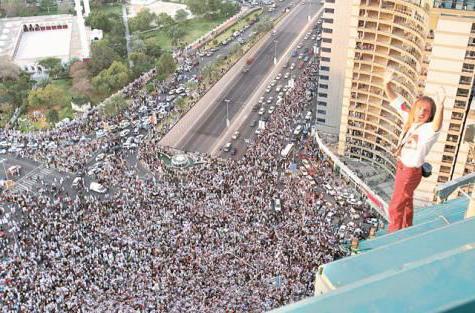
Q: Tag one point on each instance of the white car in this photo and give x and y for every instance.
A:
(292, 66)
(261, 100)
(100, 157)
(227, 147)
(124, 124)
(298, 130)
(258, 130)
(277, 205)
(262, 111)
(124, 133)
(268, 89)
(309, 115)
(96, 187)
(278, 88)
(271, 109)
(270, 99)
(273, 82)
(279, 76)
(236, 135)
(286, 75)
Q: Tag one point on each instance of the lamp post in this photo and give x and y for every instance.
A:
(275, 51)
(227, 111)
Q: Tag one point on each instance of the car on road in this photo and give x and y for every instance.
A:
(124, 124)
(277, 205)
(227, 147)
(76, 182)
(96, 187)
(124, 133)
(253, 123)
(278, 88)
(261, 111)
(273, 82)
(3, 151)
(286, 75)
(299, 46)
(306, 58)
(298, 130)
(261, 100)
(100, 157)
(233, 151)
(279, 76)
(258, 130)
(255, 108)
(294, 53)
(308, 116)
(235, 135)
(292, 66)
(268, 89)
(270, 100)
(271, 109)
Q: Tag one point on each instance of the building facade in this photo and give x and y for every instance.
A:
(430, 44)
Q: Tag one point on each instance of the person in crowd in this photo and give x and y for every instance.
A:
(422, 123)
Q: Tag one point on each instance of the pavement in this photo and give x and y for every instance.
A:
(204, 131)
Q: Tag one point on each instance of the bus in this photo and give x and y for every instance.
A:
(285, 152)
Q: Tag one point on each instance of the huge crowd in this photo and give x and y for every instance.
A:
(206, 238)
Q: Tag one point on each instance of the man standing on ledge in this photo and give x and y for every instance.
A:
(422, 123)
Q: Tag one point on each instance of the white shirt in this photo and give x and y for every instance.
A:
(419, 138)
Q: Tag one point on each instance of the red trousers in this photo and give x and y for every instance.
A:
(401, 207)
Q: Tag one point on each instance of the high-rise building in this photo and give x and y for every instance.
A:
(430, 44)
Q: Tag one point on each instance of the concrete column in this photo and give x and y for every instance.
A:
(87, 8)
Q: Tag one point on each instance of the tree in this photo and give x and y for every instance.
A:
(142, 21)
(181, 15)
(102, 56)
(81, 81)
(113, 78)
(50, 95)
(175, 32)
(228, 9)
(65, 7)
(99, 20)
(165, 66)
(137, 44)
(264, 26)
(17, 8)
(152, 48)
(164, 20)
(236, 48)
(8, 69)
(114, 105)
(15, 92)
(53, 65)
(52, 116)
(141, 61)
(48, 6)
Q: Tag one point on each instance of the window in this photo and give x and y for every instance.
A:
(323, 86)
(322, 112)
(442, 179)
(325, 49)
(323, 95)
(329, 10)
(329, 1)
(328, 20)
(325, 59)
(327, 40)
(327, 30)
(321, 103)
(323, 77)
(324, 68)
(321, 120)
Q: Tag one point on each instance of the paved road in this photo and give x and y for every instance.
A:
(207, 131)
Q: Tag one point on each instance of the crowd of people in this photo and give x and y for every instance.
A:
(205, 238)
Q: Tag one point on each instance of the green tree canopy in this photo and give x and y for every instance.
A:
(142, 21)
(114, 105)
(141, 61)
(50, 95)
(181, 15)
(165, 65)
(53, 65)
(15, 92)
(99, 20)
(152, 48)
(111, 79)
(8, 69)
(102, 56)
(165, 20)
(52, 116)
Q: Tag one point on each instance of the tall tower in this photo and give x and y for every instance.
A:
(431, 44)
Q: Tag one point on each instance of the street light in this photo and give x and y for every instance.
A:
(227, 111)
(275, 51)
